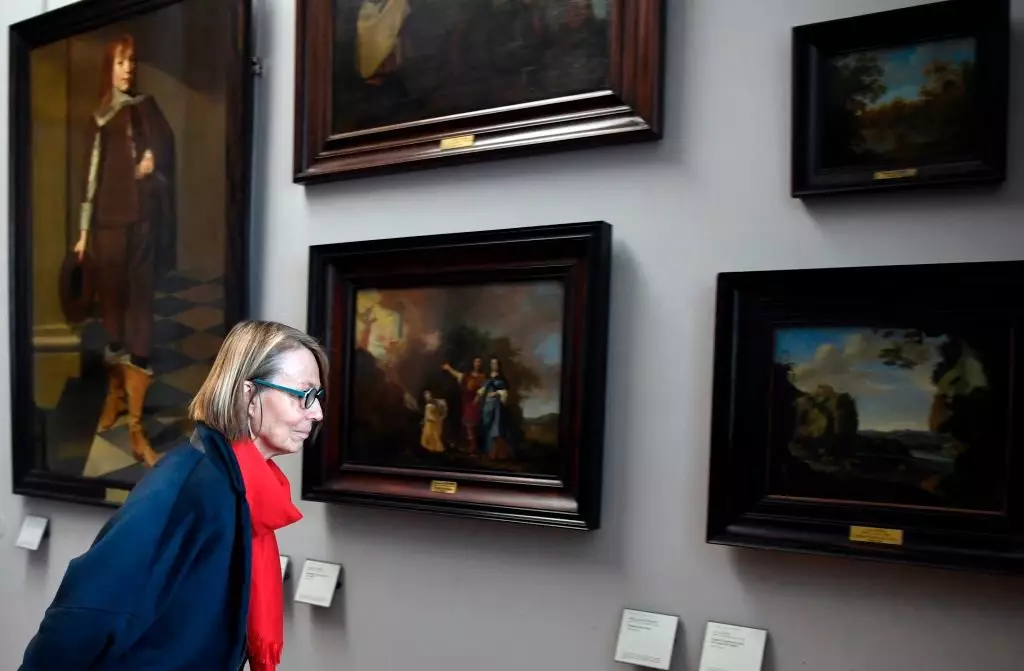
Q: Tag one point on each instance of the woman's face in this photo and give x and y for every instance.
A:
(280, 421)
(124, 69)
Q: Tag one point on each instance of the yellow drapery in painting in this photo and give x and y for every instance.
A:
(377, 33)
(433, 417)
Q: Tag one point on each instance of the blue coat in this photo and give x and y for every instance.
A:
(165, 585)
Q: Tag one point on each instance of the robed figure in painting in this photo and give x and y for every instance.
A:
(434, 413)
(127, 223)
(469, 385)
(494, 419)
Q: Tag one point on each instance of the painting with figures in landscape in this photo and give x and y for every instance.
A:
(895, 416)
(902, 106)
(459, 377)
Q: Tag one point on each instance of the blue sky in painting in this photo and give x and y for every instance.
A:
(550, 349)
(904, 67)
(888, 398)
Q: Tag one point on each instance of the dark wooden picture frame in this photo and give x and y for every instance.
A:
(575, 257)
(627, 108)
(871, 413)
(927, 104)
(194, 121)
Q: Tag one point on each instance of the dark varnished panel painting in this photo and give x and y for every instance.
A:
(399, 61)
(904, 417)
(459, 377)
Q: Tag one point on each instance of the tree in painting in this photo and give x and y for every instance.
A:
(903, 106)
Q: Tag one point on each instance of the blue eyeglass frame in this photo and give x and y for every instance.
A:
(307, 396)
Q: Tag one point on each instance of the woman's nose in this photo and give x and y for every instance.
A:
(316, 412)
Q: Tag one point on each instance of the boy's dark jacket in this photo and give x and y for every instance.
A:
(165, 585)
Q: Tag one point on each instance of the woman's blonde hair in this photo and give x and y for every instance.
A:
(251, 350)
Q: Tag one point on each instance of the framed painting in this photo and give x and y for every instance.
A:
(909, 97)
(129, 158)
(387, 85)
(467, 373)
(872, 413)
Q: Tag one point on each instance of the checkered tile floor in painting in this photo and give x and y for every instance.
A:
(188, 330)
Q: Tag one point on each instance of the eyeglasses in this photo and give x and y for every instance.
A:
(307, 396)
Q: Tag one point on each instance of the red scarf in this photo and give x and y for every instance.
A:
(269, 496)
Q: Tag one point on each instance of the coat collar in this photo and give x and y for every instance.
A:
(218, 449)
(103, 116)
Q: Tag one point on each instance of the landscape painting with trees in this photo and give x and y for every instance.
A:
(459, 377)
(901, 107)
(908, 417)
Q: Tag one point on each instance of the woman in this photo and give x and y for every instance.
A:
(127, 223)
(187, 575)
(494, 418)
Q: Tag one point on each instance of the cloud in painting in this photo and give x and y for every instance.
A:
(852, 361)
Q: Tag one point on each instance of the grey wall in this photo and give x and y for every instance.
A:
(446, 595)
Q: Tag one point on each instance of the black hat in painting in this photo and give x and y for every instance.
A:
(77, 286)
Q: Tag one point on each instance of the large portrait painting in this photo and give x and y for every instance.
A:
(871, 412)
(912, 96)
(414, 82)
(130, 159)
(473, 388)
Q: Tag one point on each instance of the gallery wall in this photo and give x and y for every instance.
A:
(438, 594)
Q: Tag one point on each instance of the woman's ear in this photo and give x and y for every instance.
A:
(248, 391)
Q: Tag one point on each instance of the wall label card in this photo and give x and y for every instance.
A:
(646, 639)
(731, 648)
(33, 530)
(317, 583)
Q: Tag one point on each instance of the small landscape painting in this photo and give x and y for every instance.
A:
(459, 377)
(905, 417)
(901, 107)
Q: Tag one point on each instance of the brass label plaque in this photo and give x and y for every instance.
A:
(896, 174)
(878, 536)
(458, 142)
(443, 487)
(117, 495)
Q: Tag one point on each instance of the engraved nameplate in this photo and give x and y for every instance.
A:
(896, 174)
(875, 535)
(443, 487)
(458, 142)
